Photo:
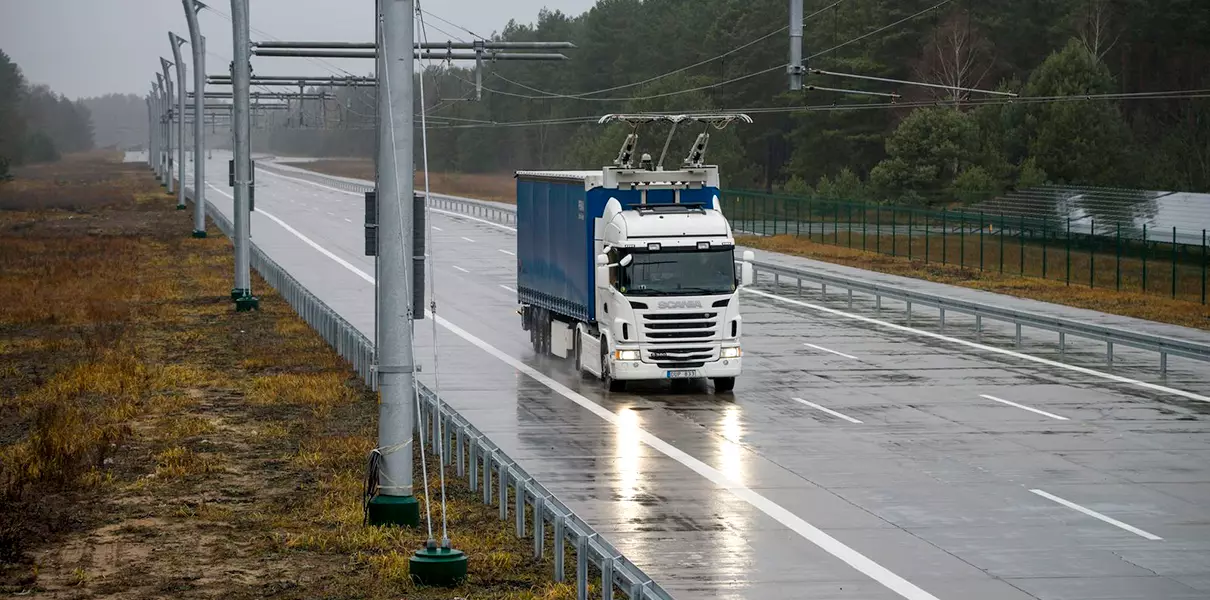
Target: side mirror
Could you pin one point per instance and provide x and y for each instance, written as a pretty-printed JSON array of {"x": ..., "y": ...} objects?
[
  {"x": 747, "y": 275},
  {"x": 626, "y": 260},
  {"x": 602, "y": 271}
]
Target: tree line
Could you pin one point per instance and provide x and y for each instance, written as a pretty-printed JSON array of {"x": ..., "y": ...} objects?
[
  {"x": 931, "y": 144},
  {"x": 37, "y": 124}
]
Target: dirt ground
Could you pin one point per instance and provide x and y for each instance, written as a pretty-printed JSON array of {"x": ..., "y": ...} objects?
[
  {"x": 1132, "y": 304},
  {"x": 155, "y": 443}
]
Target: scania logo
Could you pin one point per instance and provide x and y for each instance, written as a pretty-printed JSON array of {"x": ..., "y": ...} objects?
[{"x": 679, "y": 304}]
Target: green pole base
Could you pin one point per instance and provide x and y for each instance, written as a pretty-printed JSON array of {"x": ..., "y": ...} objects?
[
  {"x": 399, "y": 511},
  {"x": 199, "y": 234},
  {"x": 441, "y": 567},
  {"x": 181, "y": 207},
  {"x": 237, "y": 293},
  {"x": 246, "y": 303}
]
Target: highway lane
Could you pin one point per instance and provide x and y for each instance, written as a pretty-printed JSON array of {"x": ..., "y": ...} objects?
[{"x": 933, "y": 484}]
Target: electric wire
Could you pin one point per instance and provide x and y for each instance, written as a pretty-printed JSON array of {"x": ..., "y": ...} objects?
[{"x": 431, "y": 260}]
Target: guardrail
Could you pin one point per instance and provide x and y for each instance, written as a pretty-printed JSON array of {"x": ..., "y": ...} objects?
[
  {"x": 473, "y": 455},
  {"x": 1111, "y": 336}
]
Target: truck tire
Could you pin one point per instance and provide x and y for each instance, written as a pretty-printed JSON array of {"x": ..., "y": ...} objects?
[
  {"x": 611, "y": 384},
  {"x": 723, "y": 384}
]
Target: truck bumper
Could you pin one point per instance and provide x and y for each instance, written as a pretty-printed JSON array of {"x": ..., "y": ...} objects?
[{"x": 636, "y": 370}]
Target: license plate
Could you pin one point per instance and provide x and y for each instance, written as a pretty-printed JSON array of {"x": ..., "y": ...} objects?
[{"x": 682, "y": 374}]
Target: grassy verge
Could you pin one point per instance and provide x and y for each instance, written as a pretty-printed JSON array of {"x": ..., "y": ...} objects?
[
  {"x": 1131, "y": 304},
  {"x": 153, "y": 442},
  {"x": 497, "y": 187}
]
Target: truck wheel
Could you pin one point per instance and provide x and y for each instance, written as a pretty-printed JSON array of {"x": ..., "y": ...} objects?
[
  {"x": 611, "y": 384},
  {"x": 724, "y": 384},
  {"x": 575, "y": 349}
]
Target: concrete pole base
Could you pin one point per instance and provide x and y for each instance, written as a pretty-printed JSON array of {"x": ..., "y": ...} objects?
[
  {"x": 394, "y": 511},
  {"x": 199, "y": 234},
  {"x": 442, "y": 567}
]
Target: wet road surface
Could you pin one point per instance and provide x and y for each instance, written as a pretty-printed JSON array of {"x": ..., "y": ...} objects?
[{"x": 852, "y": 460}]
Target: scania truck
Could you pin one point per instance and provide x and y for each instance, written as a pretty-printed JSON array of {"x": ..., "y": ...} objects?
[{"x": 630, "y": 270}]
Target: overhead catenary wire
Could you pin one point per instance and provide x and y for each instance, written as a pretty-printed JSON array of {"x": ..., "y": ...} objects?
[{"x": 1163, "y": 95}]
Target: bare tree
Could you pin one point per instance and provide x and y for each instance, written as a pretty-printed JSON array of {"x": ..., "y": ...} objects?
[
  {"x": 959, "y": 57},
  {"x": 1096, "y": 29}
]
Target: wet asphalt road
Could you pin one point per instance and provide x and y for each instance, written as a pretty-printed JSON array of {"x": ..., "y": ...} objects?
[{"x": 852, "y": 460}]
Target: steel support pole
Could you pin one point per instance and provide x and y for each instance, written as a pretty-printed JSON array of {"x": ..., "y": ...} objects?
[
  {"x": 158, "y": 102},
  {"x": 241, "y": 72},
  {"x": 795, "y": 67},
  {"x": 164, "y": 64},
  {"x": 395, "y": 503},
  {"x": 197, "y": 44},
  {"x": 176, "y": 42}
]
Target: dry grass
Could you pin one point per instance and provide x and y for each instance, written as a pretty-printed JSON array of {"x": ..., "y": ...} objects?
[
  {"x": 498, "y": 187},
  {"x": 1106, "y": 299},
  {"x": 154, "y": 442}
]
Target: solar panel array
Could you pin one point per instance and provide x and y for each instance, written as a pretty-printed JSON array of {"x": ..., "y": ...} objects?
[{"x": 1104, "y": 210}]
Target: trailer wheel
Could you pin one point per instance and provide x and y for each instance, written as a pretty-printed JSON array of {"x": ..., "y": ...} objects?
[
  {"x": 575, "y": 349},
  {"x": 723, "y": 384}
]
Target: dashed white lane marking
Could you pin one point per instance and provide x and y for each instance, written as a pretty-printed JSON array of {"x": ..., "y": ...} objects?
[
  {"x": 829, "y": 350},
  {"x": 506, "y": 252},
  {"x": 460, "y": 269},
  {"x": 827, "y": 410},
  {"x": 436, "y": 228},
  {"x": 468, "y": 239},
  {"x": 508, "y": 288},
  {"x": 1023, "y": 407},
  {"x": 984, "y": 347},
  {"x": 811, "y": 533},
  {"x": 348, "y": 220},
  {"x": 1096, "y": 515}
]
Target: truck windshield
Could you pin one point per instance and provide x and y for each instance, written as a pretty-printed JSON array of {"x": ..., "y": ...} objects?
[{"x": 679, "y": 272}]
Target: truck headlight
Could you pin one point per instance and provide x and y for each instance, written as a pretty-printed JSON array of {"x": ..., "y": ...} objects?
[
  {"x": 626, "y": 355},
  {"x": 733, "y": 352}
]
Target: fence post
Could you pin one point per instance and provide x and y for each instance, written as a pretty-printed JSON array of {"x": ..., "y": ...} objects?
[
  {"x": 1001, "y": 242},
  {"x": 980, "y": 240},
  {"x": 962, "y": 240},
  {"x": 910, "y": 214},
  {"x": 1146, "y": 249},
  {"x": 1021, "y": 254},
  {"x": 894, "y": 229},
  {"x": 1174, "y": 261},
  {"x": 878, "y": 229},
  {"x": 809, "y": 226},
  {"x": 1117, "y": 277},
  {"x": 798, "y": 217},
  {"x": 927, "y": 249},
  {"x": 945, "y": 235},
  {"x": 848, "y": 213},
  {"x": 1092, "y": 253},
  {"x": 864, "y": 232},
  {"x": 1045, "y": 235},
  {"x": 1203, "y": 266},
  {"x": 775, "y": 211},
  {"x": 1067, "y": 270}
]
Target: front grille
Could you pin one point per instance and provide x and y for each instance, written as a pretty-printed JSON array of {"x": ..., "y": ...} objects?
[
  {"x": 680, "y": 365},
  {"x": 680, "y": 327}
]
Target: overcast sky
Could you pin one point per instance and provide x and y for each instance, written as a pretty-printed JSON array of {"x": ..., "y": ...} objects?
[{"x": 93, "y": 47}]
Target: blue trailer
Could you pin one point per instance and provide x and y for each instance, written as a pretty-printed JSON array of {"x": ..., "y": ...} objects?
[{"x": 556, "y": 216}]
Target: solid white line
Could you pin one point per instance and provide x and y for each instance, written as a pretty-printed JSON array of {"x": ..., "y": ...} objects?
[
  {"x": 829, "y": 350},
  {"x": 828, "y": 410},
  {"x": 461, "y": 269},
  {"x": 1023, "y": 407},
  {"x": 508, "y": 288},
  {"x": 811, "y": 533},
  {"x": 984, "y": 347},
  {"x": 468, "y": 239},
  {"x": 506, "y": 251},
  {"x": 1096, "y": 515}
]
